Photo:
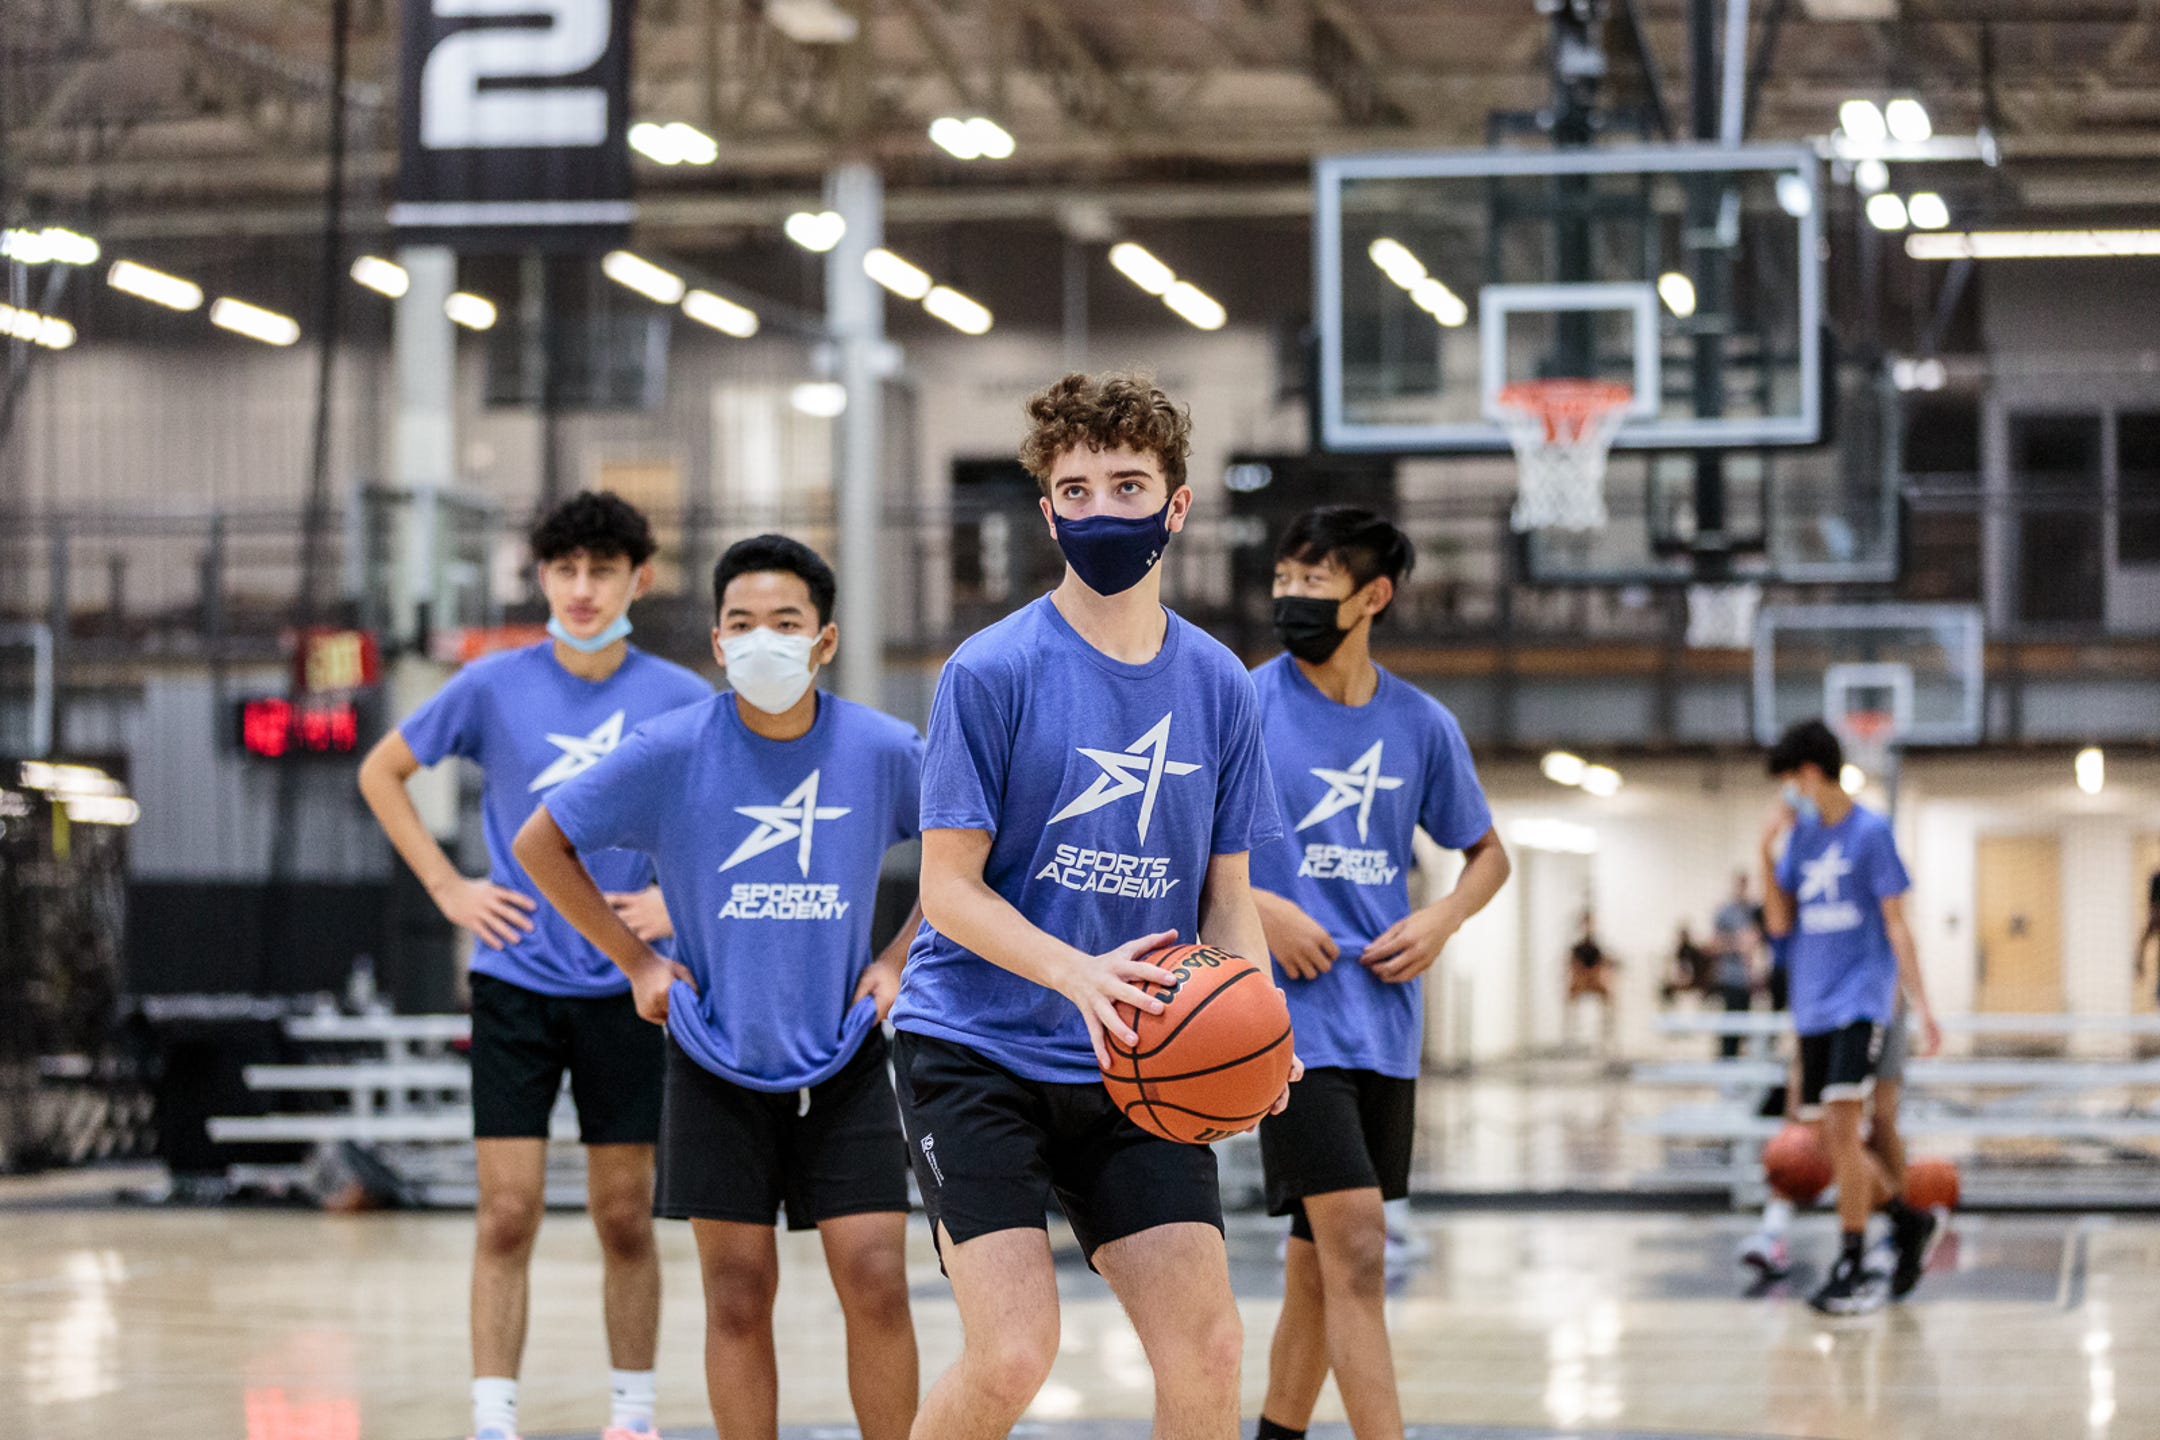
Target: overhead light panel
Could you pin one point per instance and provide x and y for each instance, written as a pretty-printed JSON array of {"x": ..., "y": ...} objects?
[
  {"x": 1562, "y": 768},
  {"x": 819, "y": 399},
  {"x": 1794, "y": 195},
  {"x": 1926, "y": 374},
  {"x": 1852, "y": 779},
  {"x": 1927, "y": 211},
  {"x": 817, "y": 232},
  {"x": 2091, "y": 769},
  {"x": 1907, "y": 120},
  {"x": 977, "y": 137},
  {"x": 1678, "y": 293},
  {"x": 2034, "y": 245},
  {"x": 53, "y": 245},
  {"x": 1871, "y": 177},
  {"x": 674, "y": 143},
  {"x": 253, "y": 321},
  {"x": 384, "y": 277},
  {"x": 154, "y": 285},
  {"x": 1195, "y": 306},
  {"x": 957, "y": 310},
  {"x": 49, "y": 331},
  {"x": 663, "y": 287},
  {"x": 721, "y": 314},
  {"x": 1601, "y": 780},
  {"x": 102, "y": 810},
  {"x": 905, "y": 280},
  {"x": 1139, "y": 265},
  {"x": 474, "y": 312},
  {"x": 1394, "y": 257},
  {"x": 1886, "y": 211},
  {"x": 1862, "y": 122},
  {"x": 1436, "y": 300}
]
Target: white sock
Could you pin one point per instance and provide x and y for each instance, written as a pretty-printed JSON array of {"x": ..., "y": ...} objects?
[
  {"x": 630, "y": 1399},
  {"x": 494, "y": 1403},
  {"x": 1777, "y": 1213}
]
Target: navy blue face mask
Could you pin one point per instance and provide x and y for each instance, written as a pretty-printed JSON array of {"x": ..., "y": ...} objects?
[{"x": 1113, "y": 553}]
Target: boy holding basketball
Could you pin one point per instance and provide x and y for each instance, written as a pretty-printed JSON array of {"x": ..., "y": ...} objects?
[
  {"x": 1360, "y": 759},
  {"x": 767, "y": 811},
  {"x": 1838, "y": 891},
  {"x": 543, "y": 1000},
  {"x": 1093, "y": 785}
]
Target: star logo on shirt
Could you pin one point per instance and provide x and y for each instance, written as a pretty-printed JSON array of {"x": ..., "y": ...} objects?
[
  {"x": 1138, "y": 769},
  {"x": 1819, "y": 877},
  {"x": 1354, "y": 786},
  {"x": 580, "y": 752},
  {"x": 794, "y": 818}
]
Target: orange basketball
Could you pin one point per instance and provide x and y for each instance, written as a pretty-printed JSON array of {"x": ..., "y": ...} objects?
[
  {"x": 1212, "y": 1063},
  {"x": 1795, "y": 1165},
  {"x": 1931, "y": 1183}
]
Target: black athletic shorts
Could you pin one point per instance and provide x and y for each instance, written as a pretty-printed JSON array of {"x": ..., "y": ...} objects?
[
  {"x": 1343, "y": 1130},
  {"x": 1839, "y": 1065},
  {"x": 522, "y": 1041},
  {"x": 728, "y": 1152},
  {"x": 991, "y": 1151}
]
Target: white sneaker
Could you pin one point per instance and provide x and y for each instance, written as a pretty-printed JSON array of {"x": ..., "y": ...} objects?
[{"x": 1766, "y": 1255}]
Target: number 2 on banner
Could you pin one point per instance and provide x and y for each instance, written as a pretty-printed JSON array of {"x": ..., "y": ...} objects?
[{"x": 456, "y": 114}]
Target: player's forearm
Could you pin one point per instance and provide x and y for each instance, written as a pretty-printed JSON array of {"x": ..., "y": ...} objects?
[
  {"x": 969, "y": 913},
  {"x": 382, "y": 784},
  {"x": 1486, "y": 868},
  {"x": 552, "y": 864},
  {"x": 1230, "y": 918},
  {"x": 1777, "y": 910},
  {"x": 1908, "y": 966}
]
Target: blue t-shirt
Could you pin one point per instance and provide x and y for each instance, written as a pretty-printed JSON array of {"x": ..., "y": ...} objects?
[
  {"x": 768, "y": 852},
  {"x": 1355, "y": 781},
  {"x": 1841, "y": 967},
  {"x": 530, "y": 725},
  {"x": 1106, "y": 789}
]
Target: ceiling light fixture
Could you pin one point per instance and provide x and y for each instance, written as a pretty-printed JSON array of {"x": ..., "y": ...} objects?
[
  {"x": 1927, "y": 211},
  {"x": 957, "y": 310},
  {"x": 1137, "y": 264},
  {"x": 1886, "y": 211},
  {"x": 816, "y": 232},
  {"x": 1678, "y": 293},
  {"x": 908, "y": 281},
  {"x": 721, "y": 314},
  {"x": 384, "y": 277},
  {"x": 1862, "y": 122},
  {"x": 2034, "y": 245},
  {"x": 154, "y": 285},
  {"x": 253, "y": 321},
  {"x": 663, "y": 287},
  {"x": 1195, "y": 306},
  {"x": 1907, "y": 120},
  {"x": 474, "y": 312}
]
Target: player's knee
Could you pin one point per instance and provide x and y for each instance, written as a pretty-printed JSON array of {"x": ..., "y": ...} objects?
[
  {"x": 1011, "y": 1364},
  {"x": 739, "y": 1294},
  {"x": 508, "y": 1224},
  {"x": 872, "y": 1285},
  {"x": 1354, "y": 1262},
  {"x": 625, "y": 1228},
  {"x": 1213, "y": 1350}
]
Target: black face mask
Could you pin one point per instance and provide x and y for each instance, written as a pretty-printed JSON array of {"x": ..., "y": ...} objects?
[{"x": 1307, "y": 628}]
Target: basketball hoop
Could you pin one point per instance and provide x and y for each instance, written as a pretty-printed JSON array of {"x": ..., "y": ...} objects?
[
  {"x": 1562, "y": 431},
  {"x": 1722, "y": 617},
  {"x": 1868, "y": 736}
]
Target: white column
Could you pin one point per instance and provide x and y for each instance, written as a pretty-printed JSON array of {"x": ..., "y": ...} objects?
[
  {"x": 423, "y": 462},
  {"x": 855, "y": 315}
]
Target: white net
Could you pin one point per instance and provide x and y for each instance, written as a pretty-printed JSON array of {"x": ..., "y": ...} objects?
[
  {"x": 1562, "y": 431},
  {"x": 1722, "y": 617}
]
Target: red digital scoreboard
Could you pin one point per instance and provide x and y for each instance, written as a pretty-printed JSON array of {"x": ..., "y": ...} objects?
[{"x": 275, "y": 728}]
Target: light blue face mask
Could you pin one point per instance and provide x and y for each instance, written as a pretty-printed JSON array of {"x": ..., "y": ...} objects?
[
  {"x": 1801, "y": 805},
  {"x": 614, "y": 631}
]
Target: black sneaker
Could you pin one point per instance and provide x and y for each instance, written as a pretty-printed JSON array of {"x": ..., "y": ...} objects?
[
  {"x": 1850, "y": 1290},
  {"x": 1915, "y": 1240}
]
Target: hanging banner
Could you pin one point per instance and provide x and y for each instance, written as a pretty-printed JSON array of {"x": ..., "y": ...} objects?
[{"x": 514, "y": 124}]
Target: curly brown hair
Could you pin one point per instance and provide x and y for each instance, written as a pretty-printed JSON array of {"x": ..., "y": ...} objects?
[{"x": 1112, "y": 411}]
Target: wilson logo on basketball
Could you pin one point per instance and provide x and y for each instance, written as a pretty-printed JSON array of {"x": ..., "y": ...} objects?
[{"x": 1212, "y": 1063}]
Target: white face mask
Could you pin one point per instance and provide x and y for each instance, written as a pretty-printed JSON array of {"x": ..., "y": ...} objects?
[{"x": 768, "y": 669}]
